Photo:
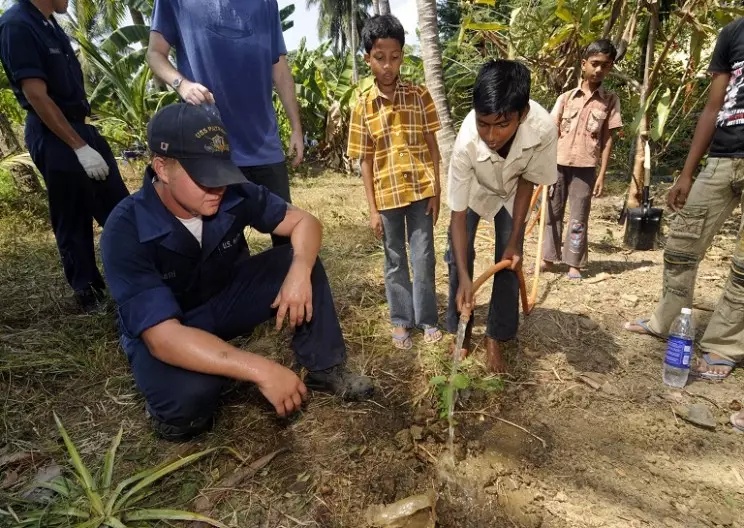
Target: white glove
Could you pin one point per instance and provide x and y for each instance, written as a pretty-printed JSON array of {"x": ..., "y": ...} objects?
[{"x": 93, "y": 163}]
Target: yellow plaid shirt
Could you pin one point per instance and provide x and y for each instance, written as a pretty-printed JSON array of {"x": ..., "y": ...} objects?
[{"x": 392, "y": 130}]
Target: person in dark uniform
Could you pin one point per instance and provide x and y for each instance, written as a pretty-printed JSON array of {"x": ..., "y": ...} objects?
[
  {"x": 185, "y": 283},
  {"x": 81, "y": 175}
]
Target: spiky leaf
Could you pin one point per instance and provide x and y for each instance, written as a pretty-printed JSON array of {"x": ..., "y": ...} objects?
[{"x": 81, "y": 471}]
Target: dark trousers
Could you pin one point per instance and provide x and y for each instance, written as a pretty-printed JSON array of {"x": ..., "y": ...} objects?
[
  {"x": 575, "y": 185},
  {"x": 503, "y": 309},
  {"x": 275, "y": 178},
  {"x": 180, "y": 397},
  {"x": 74, "y": 199}
]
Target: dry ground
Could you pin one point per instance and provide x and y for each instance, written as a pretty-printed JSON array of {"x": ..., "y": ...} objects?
[{"x": 612, "y": 457}]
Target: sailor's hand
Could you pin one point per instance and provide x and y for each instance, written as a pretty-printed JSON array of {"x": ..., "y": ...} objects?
[{"x": 93, "y": 163}]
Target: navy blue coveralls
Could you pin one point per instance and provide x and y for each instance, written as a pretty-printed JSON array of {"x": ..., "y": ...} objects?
[
  {"x": 156, "y": 271},
  {"x": 32, "y": 47}
]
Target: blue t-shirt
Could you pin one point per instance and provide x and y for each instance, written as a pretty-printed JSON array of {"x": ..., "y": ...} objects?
[
  {"x": 154, "y": 266},
  {"x": 230, "y": 46}
]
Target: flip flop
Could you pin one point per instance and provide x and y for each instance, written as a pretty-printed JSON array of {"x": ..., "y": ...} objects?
[
  {"x": 643, "y": 323},
  {"x": 712, "y": 376},
  {"x": 574, "y": 276},
  {"x": 432, "y": 334},
  {"x": 734, "y": 419},
  {"x": 403, "y": 341}
]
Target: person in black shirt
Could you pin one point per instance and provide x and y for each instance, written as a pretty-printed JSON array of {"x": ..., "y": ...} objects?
[
  {"x": 81, "y": 175},
  {"x": 701, "y": 209}
]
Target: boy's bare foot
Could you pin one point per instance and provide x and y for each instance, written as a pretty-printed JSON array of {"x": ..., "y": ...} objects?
[
  {"x": 546, "y": 265},
  {"x": 574, "y": 273},
  {"x": 494, "y": 357}
]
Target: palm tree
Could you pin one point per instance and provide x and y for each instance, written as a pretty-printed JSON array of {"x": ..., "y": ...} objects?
[
  {"x": 432, "y": 57},
  {"x": 334, "y": 20},
  {"x": 383, "y": 7}
]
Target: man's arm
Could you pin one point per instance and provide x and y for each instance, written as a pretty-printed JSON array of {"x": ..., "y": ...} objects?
[
  {"x": 704, "y": 130},
  {"x": 522, "y": 200},
  {"x": 285, "y": 87},
  {"x": 375, "y": 221},
  {"x": 606, "y": 152},
  {"x": 199, "y": 351},
  {"x": 50, "y": 114},
  {"x": 157, "y": 57},
  {"x": 295, "y": 298},
  {"x": 433, "y": 208},
  {"x": 461, "y": 175}
]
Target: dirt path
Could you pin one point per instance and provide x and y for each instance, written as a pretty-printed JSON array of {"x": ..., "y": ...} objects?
[{"x": 615, "y": 456}]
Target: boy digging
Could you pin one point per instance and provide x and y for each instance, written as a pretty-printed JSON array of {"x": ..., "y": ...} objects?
[
  {"x": 586, "y": 118},
  {"x": 505, "y": 146},
  {"x": 392, "y": 130}
]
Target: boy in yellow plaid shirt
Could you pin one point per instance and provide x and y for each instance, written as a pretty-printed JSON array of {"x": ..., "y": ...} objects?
[{"x": 392, "y": 130}]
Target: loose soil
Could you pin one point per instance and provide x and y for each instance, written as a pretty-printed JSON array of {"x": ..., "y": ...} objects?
[{"x": 611, "y": 456}]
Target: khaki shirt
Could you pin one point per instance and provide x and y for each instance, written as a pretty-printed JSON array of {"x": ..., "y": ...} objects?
[
  {"x": 584, "y": 122},
  {"x": 482, "y": 180},
  {"x": 392, "y": 131}
]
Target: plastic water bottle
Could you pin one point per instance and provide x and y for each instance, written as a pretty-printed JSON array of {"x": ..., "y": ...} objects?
[{"x": 679, "y": 350}]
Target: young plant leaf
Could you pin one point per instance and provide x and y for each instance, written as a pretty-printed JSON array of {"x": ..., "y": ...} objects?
[
  {"x": 160, "y": 473},
  {"x": 460, "y": 381},
  {"x": 108, "y": 461},
  {"x": 437, "y": 380},
  {"x": 171, "y": 515},
  {"x": 82, "y": 472}
]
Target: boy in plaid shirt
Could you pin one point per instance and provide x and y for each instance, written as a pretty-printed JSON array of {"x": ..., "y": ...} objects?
[{"x": 392, "y": 130}]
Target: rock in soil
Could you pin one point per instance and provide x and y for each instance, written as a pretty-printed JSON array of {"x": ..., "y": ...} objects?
[{"x": 697, "y": 414}]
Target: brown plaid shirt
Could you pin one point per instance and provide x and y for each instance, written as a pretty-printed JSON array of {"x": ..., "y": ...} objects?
[
  {"x": 392, "y": 130},
  {"x": 584, "y": 122}
]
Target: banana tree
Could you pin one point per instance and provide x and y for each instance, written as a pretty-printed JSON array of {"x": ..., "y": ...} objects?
[{"x": 123, "y": 98}]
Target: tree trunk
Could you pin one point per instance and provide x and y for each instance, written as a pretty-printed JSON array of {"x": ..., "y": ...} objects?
[
  {"x": 384, "y": 6},
  {"x": 137, "y": 17},
  {"x": 24, "y": 177},
  {"x": 354, "y": 43},
  {"x": 376, "y": 7},
  {"x": 636, "y": 182},
  {"x": 434, "y": 74}
]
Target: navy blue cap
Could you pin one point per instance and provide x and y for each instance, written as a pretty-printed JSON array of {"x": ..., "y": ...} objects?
[{"x": 196, "y": 138}]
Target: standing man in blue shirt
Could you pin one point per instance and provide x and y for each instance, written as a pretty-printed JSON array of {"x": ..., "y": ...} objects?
[
  {"x": 185, "y": 283},
  {"x": 231, "y": 53},
  {"x": 82, "y": 178}
]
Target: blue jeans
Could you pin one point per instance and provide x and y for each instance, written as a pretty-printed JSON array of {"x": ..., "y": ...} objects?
[
  {"x": 410, "y": 306},
  {"x": 503, "y": 310}
]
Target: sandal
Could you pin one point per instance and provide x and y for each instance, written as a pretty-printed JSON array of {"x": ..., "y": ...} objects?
[
  {"x": 714, "y": 376},
  {"x": 432, "y": 334},
  {"x": 573, "y": 276},
  {"x": 737, "y": 421},
  {"x": 643, "y": 323},
  {"x": 402, "y": 341}
]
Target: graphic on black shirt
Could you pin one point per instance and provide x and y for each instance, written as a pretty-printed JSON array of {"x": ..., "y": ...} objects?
[{"x": 732, "y": 111}]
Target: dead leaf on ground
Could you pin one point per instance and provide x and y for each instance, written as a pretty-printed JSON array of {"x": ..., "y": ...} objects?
[
  {"x": 597, "y": 278},
  {"x": 12, "y": 458},
  {"x": 206, "y": 501}
]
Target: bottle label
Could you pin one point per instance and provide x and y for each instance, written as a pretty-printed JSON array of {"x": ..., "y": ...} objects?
[{"x": 679, "y": 350}]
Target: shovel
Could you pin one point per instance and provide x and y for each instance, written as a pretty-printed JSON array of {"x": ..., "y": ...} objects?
[{"x": 643, "y": 223}]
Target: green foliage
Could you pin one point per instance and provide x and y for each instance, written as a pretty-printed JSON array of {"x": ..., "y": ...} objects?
[
  {"x": 123, "y": 98},
  {"x": 446, "y": 388},
  {"x": 284, "y": 14},
  {"x": 96, "y": 502}
]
